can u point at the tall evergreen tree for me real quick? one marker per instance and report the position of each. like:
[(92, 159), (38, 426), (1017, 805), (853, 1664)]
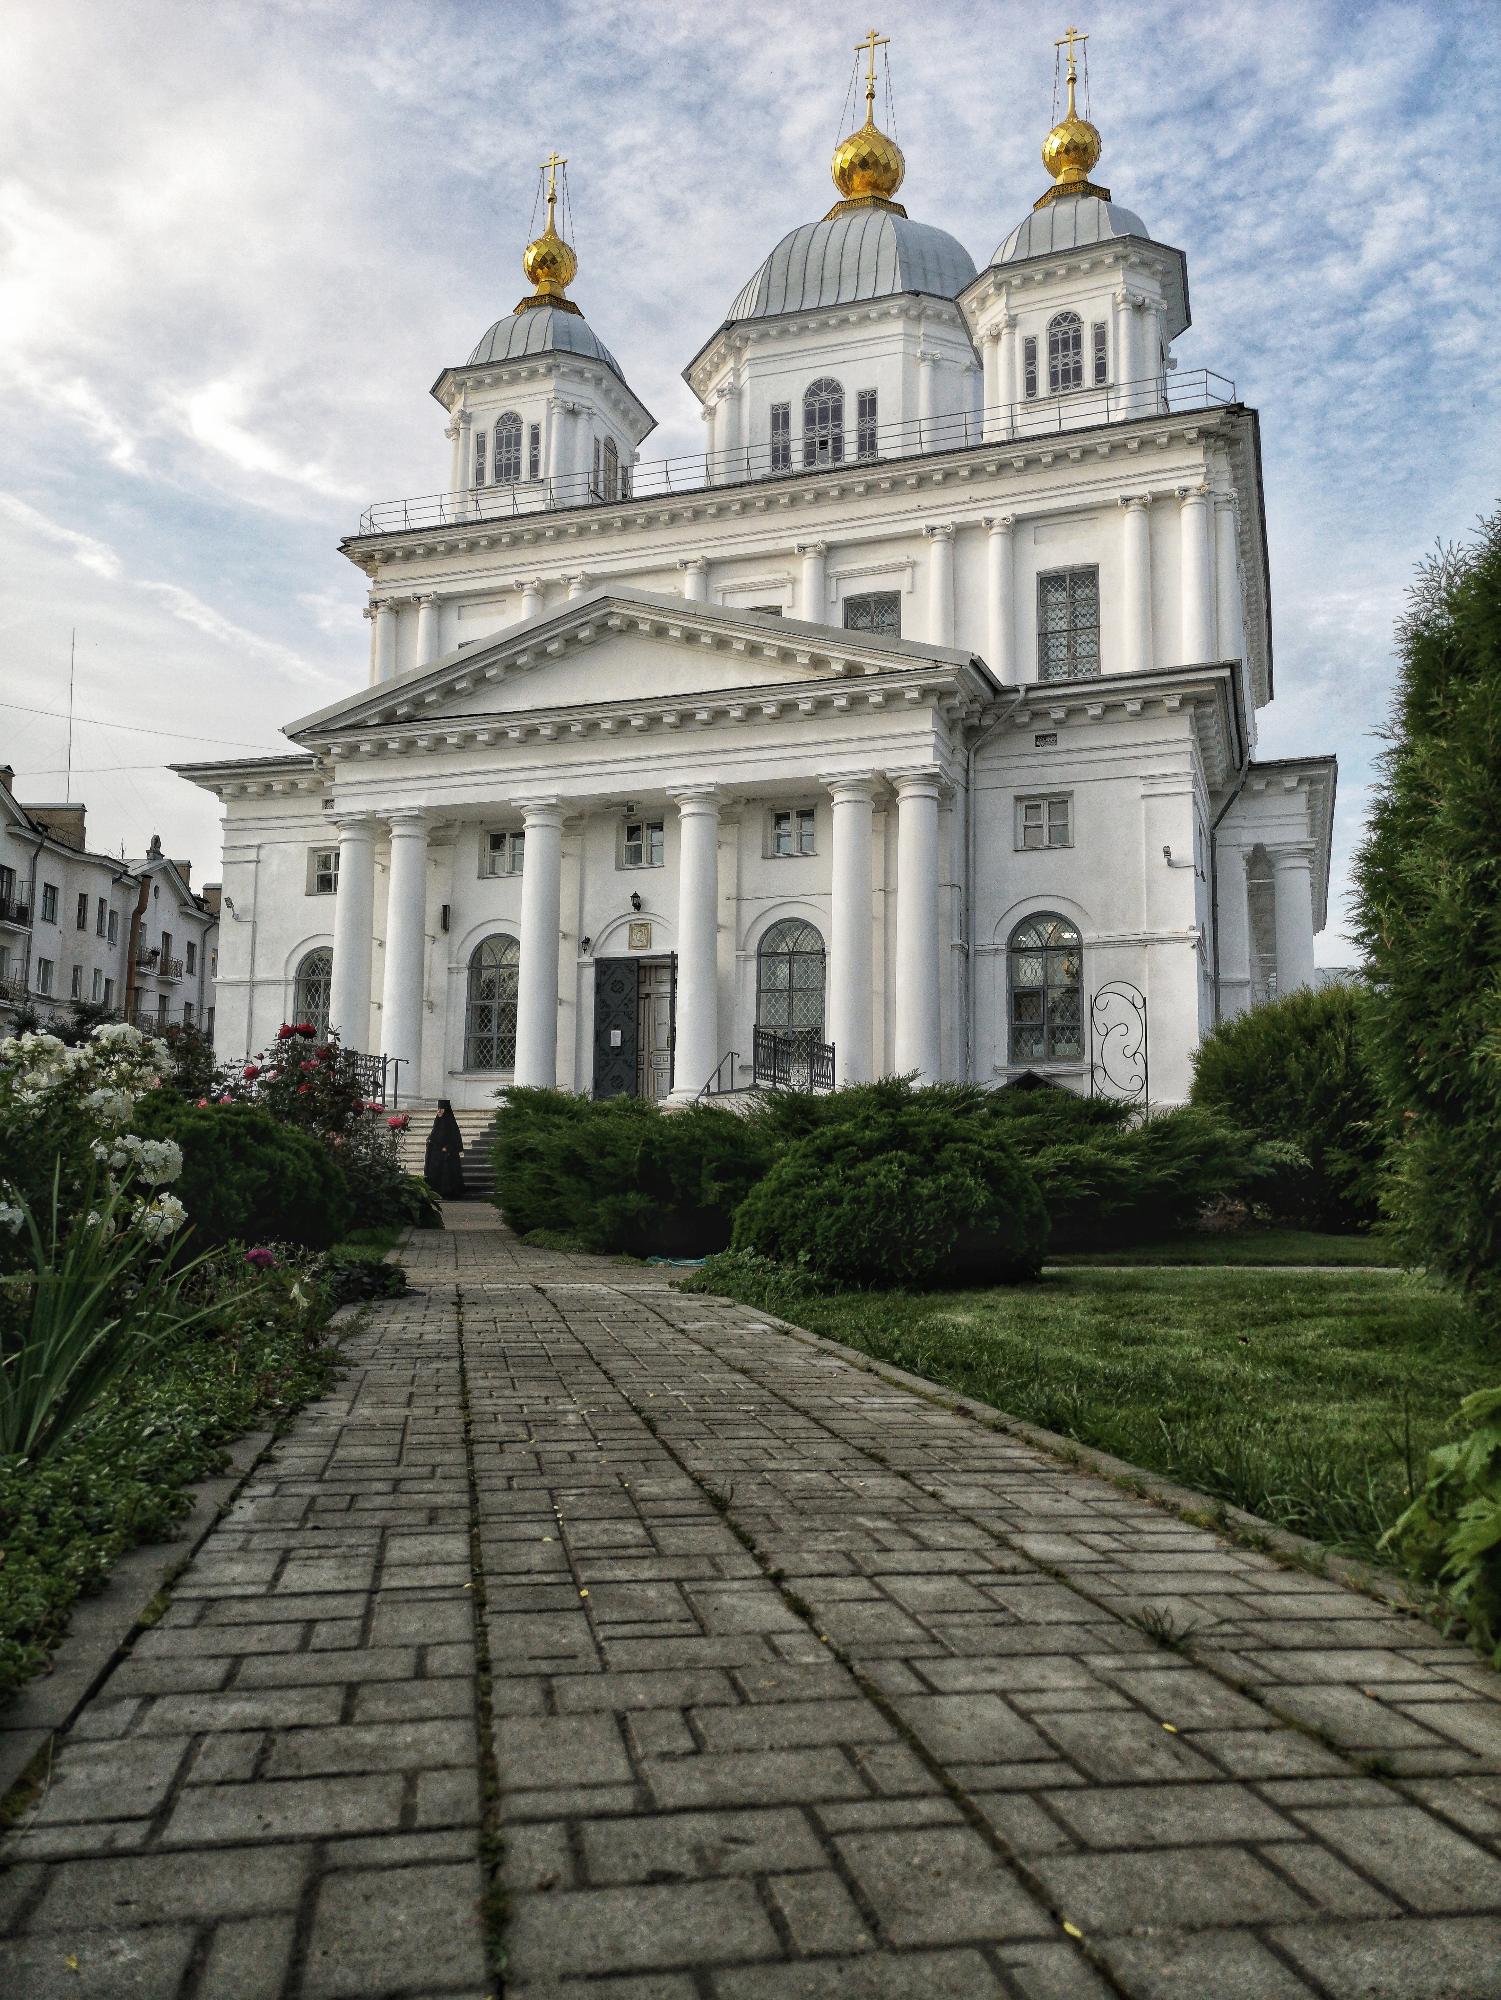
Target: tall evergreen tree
[(1429, 915)]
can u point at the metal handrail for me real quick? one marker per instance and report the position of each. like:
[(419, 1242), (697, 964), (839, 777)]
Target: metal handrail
[(852, 449), (15, 910), (792, 1059), (716, 1085)]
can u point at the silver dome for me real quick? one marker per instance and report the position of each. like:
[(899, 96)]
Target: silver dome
[(1069, 224), (542, 330), (865, 253)]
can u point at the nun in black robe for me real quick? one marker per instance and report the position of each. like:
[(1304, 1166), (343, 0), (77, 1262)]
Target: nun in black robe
[(443, 1169)]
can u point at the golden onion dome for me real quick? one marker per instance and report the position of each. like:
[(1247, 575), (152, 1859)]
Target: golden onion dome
[(548, 261), (1073, 148), (868, 165)]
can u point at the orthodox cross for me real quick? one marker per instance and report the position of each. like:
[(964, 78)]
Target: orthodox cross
[(874, 40), (1067, 40), (550, 167)]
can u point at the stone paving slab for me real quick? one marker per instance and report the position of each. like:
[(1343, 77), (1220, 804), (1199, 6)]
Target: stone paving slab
[(754, 1674)]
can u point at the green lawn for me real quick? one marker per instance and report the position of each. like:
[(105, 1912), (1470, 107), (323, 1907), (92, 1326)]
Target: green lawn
[(1245, 1246), (1308, 1398)]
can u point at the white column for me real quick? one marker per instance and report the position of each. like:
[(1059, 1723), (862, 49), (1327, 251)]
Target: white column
[(990, 362), (709, 417), (695, 579), (727, 432), (583, 447), (457, 433), (531, 597), (697, 1049), (578, 583), (354, 912), (385, 638), (1000, 595), (1010, 394), (1136, 596), (927, 394), (537, 982), (559, 423), (402, 992), (849, 1012), (1233, 916), (812, 603), (1197, 584), (1292, 891), (1130, 400), (429, 625), (1230, 628), (941, 583), (917, 972)]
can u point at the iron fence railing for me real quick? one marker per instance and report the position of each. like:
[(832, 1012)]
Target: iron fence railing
[(722, 1082), (851, 449), (15, 910), (792, 1059), (14, 992)]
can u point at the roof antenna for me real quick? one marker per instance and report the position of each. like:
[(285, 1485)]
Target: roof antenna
[(72, 654)]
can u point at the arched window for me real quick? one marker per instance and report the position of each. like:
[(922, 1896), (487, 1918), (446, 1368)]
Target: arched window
[(1045, 964), (823, 422), (1065, 353), (310, 991), (490, 1009), (789, 979), (507, 463), (612, 469)]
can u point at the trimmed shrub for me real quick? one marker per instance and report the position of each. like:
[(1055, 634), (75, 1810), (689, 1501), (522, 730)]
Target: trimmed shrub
[(1429, 916), (1451, 1534), (1299, 1069), (247, 1177), (908, 1189), (622, 1175)]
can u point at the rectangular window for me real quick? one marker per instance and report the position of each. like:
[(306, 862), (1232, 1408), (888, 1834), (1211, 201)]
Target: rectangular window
[(1045, 822), (114, 927), (98, 987), (190, 956), (75, 989), (7, 884), (1101, 354), (792, 831), (1068, 624), (598, 469), (49, 902), (163, 1002), (44, 975), (1029, 366), (503, 853), (875, 611), (323, 871), (187, 1013), (208, 1024), (781, 437), (534, 451), (865, 424), (213, 963), (83, 909), (479, 458), (101, 915), (109, 993), (642, 844)]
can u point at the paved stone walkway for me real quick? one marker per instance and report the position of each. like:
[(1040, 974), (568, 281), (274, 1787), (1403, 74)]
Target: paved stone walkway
[(773, 1678)]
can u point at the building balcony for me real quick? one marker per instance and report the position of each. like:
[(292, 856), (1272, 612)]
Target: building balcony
[(14, 993), (15, 913), (851, 449)]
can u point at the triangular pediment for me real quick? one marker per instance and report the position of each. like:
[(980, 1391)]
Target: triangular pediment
[(620, 647)]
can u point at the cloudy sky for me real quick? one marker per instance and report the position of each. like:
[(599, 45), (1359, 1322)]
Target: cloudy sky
[(238, 241)]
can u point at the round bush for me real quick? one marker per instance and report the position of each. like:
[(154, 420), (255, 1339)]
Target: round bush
[(912, 1191), (247, 1178)]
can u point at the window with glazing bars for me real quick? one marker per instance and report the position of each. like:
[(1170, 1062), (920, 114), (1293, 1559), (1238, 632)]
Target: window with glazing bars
[(1065, 353), (612, 469), (507, 449), (1045, 969), (490, 1004), (1101, 354), (1029, 366), (75, 990), (641, 846), (504, 853), (792, 831), (1044, 822), (781, 437), (100, 916), (875, 611), (597, 465), (790, 978), (1068, 624), (83, 909), (479, 458), (324, 870), (865, 424), (823, 422)]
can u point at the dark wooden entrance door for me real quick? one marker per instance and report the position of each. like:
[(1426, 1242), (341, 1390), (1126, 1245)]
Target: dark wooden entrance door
[(633, 1022)]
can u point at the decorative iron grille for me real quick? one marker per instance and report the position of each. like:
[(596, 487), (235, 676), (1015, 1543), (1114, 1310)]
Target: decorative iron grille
[(1118, 1052), (792, 1060), (490, 1013), (790, 978)]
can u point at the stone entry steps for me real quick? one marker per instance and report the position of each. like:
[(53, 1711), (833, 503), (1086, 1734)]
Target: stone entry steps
[(477, 1124)]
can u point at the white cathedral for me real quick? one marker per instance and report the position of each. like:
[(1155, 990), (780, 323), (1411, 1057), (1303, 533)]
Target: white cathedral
[(907, 728)]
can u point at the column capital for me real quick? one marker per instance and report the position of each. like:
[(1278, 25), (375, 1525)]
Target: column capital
[(928, 783), (939, 531), (1139, 501), (1226, 500), (539, 812), (1290, 853), (693, 562), (1000, 524), (1191, 496), (406, 820), (421, 597), (355, 825), (811, 548), (369, 610), (697, 799), (858, 788), (706, 414), (524, 583), (991, 337)]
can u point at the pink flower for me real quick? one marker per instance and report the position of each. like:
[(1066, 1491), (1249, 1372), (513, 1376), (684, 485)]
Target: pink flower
[(305, 1028), (250, 1072), (303, 1089), (399, 1123), (262, 1258), (309, 1065), (285, 1032), (226, 1098), (202, 1103), (374, 1107)]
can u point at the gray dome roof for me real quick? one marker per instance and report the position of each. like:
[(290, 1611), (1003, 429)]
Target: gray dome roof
[(1068, 224), (865, 253), (542, 330)]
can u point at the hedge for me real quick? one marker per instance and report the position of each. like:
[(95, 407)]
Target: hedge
[(247, 1177)]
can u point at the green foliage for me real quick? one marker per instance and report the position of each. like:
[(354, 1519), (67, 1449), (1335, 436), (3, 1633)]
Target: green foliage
[(193, 1067), (621, 1175), (118, 1478), (1299, 1070), (248, 1177), (905, 1188), (1429, 916), (1451, 1534), (351, 1275)]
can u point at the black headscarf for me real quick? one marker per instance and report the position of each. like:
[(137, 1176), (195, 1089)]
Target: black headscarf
[(442, 1168)]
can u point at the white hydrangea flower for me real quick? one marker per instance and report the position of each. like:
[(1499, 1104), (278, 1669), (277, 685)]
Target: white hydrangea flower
[(11, 1217), (159, 1219), (118, 1034), (110, 1107), (160, 1160)]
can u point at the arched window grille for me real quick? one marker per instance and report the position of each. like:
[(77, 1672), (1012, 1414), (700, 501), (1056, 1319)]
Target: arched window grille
[(1065, 353), (507, 462), (823, 422), (790, 979), (612, 469), (311, 988), (1045, 967), (490, 1005)]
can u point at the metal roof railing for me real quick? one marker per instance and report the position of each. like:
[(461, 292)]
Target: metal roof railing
[(855, 447)]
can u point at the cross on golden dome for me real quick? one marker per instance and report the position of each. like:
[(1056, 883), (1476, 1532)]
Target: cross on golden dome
[(1073, 147), (868, 165), (548, 261)]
